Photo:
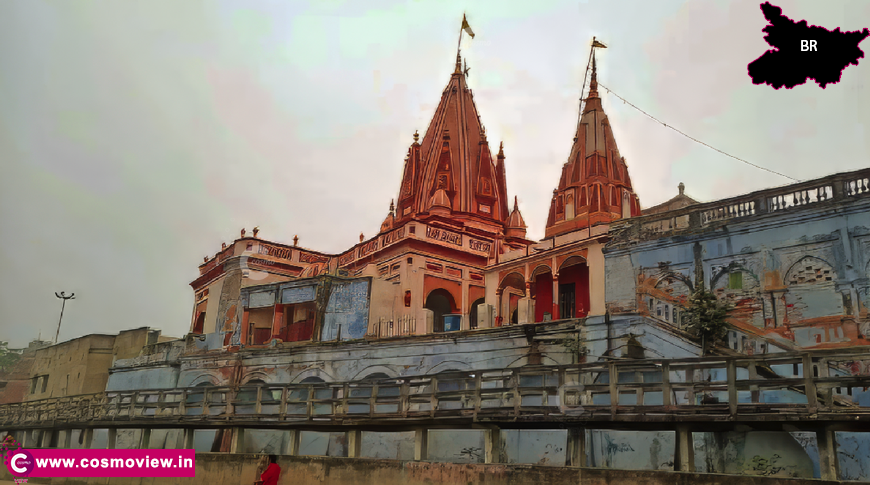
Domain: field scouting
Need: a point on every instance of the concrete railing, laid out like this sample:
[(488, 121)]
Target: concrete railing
[(699, 389), (814, 193)]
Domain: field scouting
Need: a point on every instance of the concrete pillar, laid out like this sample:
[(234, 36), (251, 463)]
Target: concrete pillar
[(146, 439), (829, 465), (88, 439), (684, 452), (46, 438), (421, 444), (293, 445), (238, 440), (465, 322), (64, 439), (354, 443), (556, 315), (576, 447), (188, 438), (595, 261), (245, 336), (732, 387), (492, 445)]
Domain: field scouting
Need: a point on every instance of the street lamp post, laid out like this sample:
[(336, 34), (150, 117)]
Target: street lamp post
[(63, 297)]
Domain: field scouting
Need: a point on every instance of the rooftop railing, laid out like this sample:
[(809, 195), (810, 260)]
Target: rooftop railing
[(700, 389), (813, 193)]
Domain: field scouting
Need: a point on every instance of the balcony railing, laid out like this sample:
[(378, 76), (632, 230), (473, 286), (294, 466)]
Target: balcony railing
[(813, 193), (701, 389)]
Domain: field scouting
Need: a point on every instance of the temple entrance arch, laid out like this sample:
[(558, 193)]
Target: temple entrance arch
[(573, 298), (440, 302)]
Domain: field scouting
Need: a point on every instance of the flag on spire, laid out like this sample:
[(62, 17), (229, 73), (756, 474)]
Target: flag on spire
[(595, 43), (466, 27)]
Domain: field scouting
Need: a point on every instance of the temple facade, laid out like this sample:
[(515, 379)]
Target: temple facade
[(451, 316)]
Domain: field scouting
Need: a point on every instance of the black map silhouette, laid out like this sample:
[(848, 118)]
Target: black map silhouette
[(787, 65)]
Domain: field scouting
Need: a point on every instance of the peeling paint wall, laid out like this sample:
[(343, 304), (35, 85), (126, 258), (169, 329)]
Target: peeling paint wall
[(800, 277), (853, 450), (630, 450), (456, 445), (760, 453)]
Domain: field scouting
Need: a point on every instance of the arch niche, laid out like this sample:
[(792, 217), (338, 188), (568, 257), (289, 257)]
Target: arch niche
[(472, 312), (510, 290), (441, 303), (573, 297)]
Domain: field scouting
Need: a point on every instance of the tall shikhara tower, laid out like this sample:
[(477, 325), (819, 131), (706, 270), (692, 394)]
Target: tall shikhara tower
[(452, 172), (595, 187)]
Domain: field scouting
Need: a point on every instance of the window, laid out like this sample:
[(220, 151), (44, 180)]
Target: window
[(735, 281), (44, 383)]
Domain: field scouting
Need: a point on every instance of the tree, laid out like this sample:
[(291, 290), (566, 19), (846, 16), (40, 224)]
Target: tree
[(8, 358), (706, 317)]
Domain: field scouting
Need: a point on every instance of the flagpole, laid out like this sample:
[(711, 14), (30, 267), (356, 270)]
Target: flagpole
[(459, 44), (583, 88)]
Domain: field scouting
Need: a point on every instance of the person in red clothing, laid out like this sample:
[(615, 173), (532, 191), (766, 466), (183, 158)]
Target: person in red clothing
[(273, 471)]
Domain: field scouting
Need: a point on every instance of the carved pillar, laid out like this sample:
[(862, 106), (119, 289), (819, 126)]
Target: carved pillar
[(556, 315)]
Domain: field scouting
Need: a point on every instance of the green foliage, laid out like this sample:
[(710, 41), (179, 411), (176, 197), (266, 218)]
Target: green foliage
[(7, 358), (706, 317)]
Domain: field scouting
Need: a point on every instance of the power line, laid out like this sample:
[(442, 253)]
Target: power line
[(695, 139)]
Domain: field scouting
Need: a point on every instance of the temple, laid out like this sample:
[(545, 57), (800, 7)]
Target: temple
[(452, 336)]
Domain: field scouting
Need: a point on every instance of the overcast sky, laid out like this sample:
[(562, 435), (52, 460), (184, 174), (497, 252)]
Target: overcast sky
[(136, 136)]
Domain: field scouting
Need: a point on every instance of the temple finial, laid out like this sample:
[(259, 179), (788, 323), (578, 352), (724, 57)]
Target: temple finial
[(516, 206), (467, 28), (392, 206), (416, 135), (501, 149)]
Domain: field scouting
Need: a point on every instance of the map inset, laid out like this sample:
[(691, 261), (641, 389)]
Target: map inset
[(800, 52)]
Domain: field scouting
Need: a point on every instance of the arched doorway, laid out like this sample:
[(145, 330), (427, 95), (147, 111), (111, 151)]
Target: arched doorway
[(542, 290), (573, 296), (472, 314), (441, 302)]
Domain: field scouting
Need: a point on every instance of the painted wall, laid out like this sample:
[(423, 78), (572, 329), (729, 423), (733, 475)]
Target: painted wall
[(795, 276)]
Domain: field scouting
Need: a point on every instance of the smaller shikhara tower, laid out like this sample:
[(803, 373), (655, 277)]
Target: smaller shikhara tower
[(595, 187)]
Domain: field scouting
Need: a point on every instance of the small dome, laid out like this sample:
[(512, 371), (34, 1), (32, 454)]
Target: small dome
[(440, 202), (516, 221)]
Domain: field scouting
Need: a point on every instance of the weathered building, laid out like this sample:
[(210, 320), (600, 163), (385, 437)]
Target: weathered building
[(81, 365), (15, 381)]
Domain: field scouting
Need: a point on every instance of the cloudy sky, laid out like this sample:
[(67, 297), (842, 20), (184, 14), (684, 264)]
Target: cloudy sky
[(135, 136)]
